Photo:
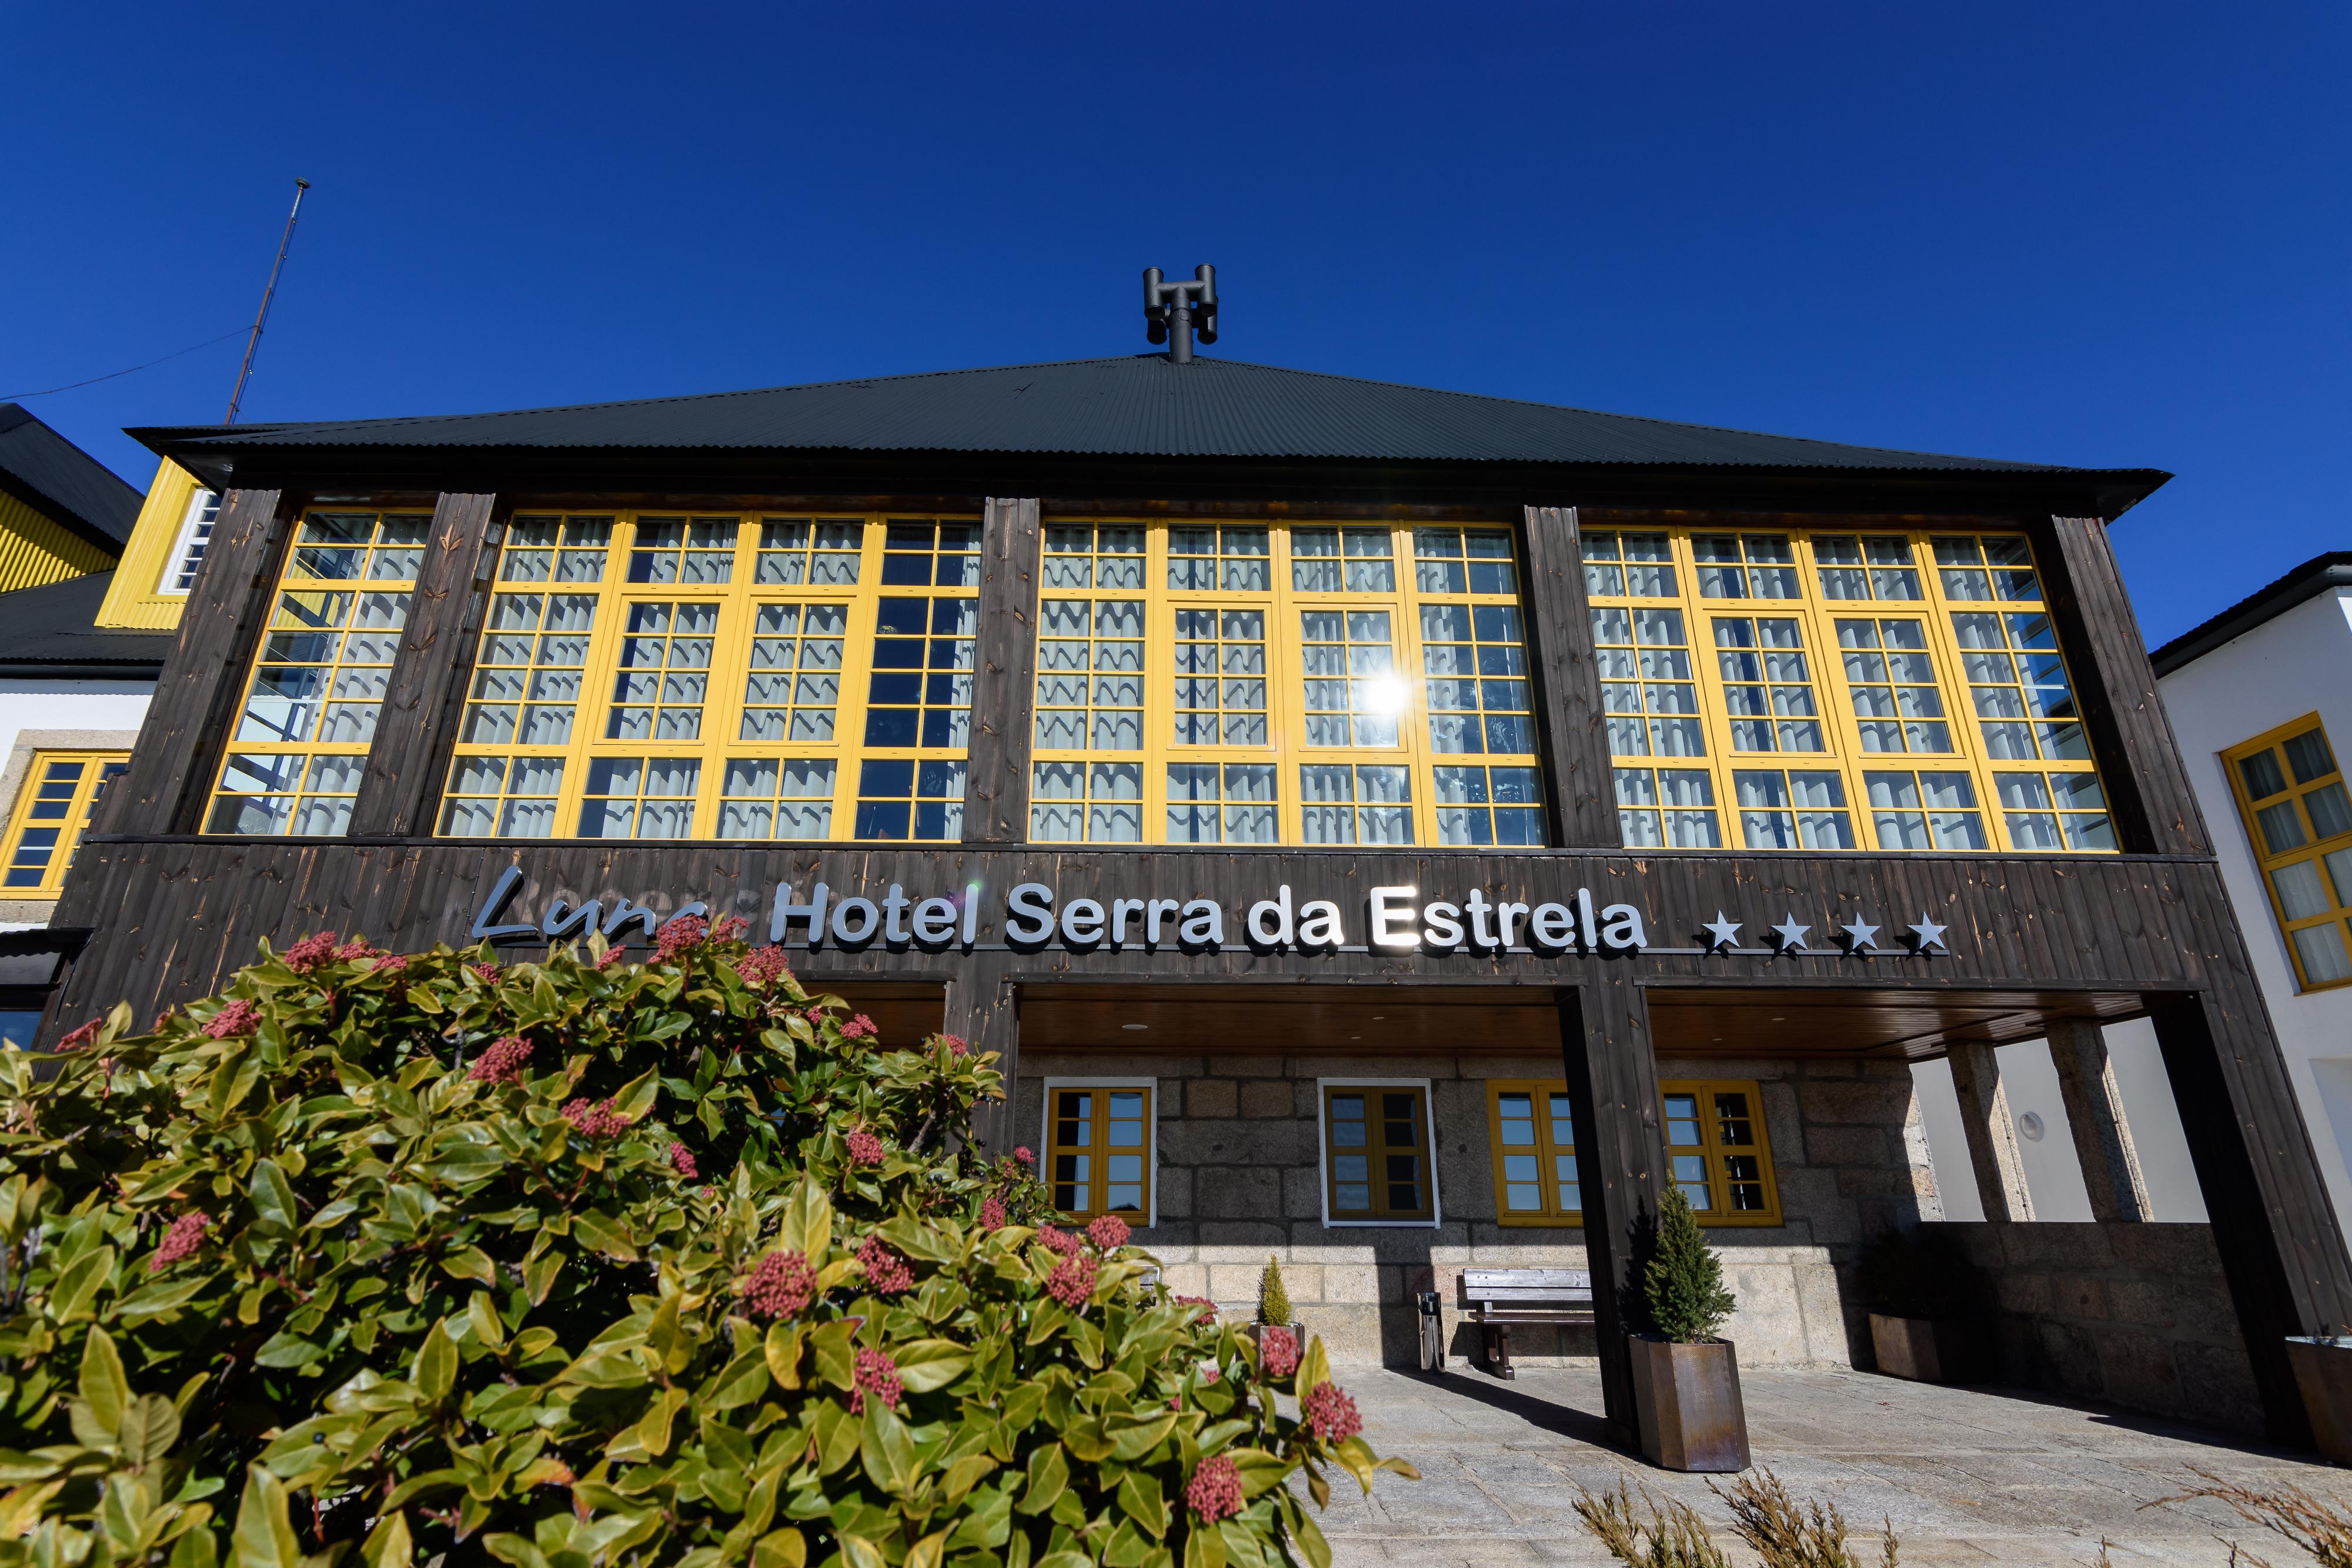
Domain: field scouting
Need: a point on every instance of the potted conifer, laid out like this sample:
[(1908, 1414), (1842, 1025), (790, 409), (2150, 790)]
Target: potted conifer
[(1685, 1378), (1922, 1294), (1274, 1309)]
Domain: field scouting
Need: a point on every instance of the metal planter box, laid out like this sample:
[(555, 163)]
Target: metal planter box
[(1687, 1398)]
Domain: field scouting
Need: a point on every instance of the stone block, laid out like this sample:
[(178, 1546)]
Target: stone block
[(1878, 1100), (1769, 1325), (1830, 1067), (1240, 1240), (2142, 1303), (2180, 1250), (1252, 1066), (1247, 1192), (2063, 1245), (2079, 1296), (1236, 1281), (1302, 1193), (1302, 1281), (1185, 1278), (1266, 1098), (2069, 1357), (1885, 1181), (1351, 1335), (1172, 1189), (2201, 1309), (1828, 1316), (2138, 1371), (1211, 1099), (1846, 1145), (1344, 1282), (2217, 1384), (2028, 1294)]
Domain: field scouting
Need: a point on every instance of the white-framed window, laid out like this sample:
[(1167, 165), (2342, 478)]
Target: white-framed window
[(188, 549), (1377, 1157), (1101, 1144)]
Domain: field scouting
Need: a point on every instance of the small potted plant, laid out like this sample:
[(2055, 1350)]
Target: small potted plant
[(1922, 1294), (1274, 1305), (1686, 1377)]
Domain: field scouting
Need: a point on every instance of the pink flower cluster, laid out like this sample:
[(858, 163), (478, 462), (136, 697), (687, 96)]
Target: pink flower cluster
[(957, 1045), (859, 1026), (763, 966), (884, 1270), (991, 1213), (1072, 1282), (1215, 1492), (397, 963), (873, 1372), (681, 1160), (488, 971), (1277, 1351), (730, 928), (312, 951), (1108, 1232), (613, 956), (682, 934), (865, 1148), (239, 1018), (780, 1287), (80, 1037), (358, 947), (1331, 1414), (502, 1063), (1024, 1156), (183, 1240), (1208, 1308), (595, 1119), (1057, 1240)]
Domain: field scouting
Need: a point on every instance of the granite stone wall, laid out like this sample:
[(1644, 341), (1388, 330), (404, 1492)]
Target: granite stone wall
[(2135, 1315), (1239, 1180)]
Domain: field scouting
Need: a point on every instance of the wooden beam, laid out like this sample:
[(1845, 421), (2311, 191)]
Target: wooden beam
[(1612, 1094), (2094, 1112), (1567, 683), (2148, 795), (401, 785), (195, 707), (1992, 1133), (981, 1007), (1004, 676)]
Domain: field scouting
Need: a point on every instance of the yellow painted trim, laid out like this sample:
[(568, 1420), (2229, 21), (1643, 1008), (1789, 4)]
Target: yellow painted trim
[(1098, 1149), (2312, 849), (1546, 1149), (77, 795), (36, 551), (1376, 1150), (134, 600), (1712, 1146)]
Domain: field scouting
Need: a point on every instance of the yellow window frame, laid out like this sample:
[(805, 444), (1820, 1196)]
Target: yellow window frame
[(1086, 1147), (1431, 775), (1713, 1148), (2316, 874), (58, 797), (1544, 1146), (719, 741), (2019, 806), (1342, 1144)]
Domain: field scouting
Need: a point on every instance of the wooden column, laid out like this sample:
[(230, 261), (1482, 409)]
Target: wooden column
[(402, 783), (2147, 790), (1620, 1161), (1004, 677), (980, 1007), (1568, 684), (2095, 1111), (194, 708), (2272, 1221), (1992, 1133)]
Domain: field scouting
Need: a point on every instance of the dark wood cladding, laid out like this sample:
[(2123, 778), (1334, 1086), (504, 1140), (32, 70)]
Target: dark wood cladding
[(1003, 682), (1611, 1074), (2148, 793), (195, 707), (1575, 723), (401, 783)]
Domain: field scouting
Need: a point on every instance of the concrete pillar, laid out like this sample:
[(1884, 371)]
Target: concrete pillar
[(1991, 1134), (2095, 1110)]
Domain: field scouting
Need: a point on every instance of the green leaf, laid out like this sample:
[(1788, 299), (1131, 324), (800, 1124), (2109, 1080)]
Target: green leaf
[(436, 1370), (388, 1544), (653, 1429), (784, 1548), (105, 1391), (1088, 1440), (539, 1274), (888, 1450), (744, 1379), (606, 1234), (637, 1095), (273, 1199), (808, 1223), (264, 1536), (1310, 1536), (151, 1425), (484, 1317), (857, 1551), (783, 1352), (1049, 1476), (928, 1363), (70, 1297), (1141, 1499), (830, 1348)]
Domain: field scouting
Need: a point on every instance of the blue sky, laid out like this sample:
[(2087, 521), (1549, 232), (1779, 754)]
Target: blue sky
[(2079, 234)]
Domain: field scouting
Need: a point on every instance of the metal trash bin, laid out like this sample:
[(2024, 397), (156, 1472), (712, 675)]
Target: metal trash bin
[(1433, 1333)]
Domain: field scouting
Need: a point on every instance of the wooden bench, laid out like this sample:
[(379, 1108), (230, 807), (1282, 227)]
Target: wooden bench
[(1499, 1299)]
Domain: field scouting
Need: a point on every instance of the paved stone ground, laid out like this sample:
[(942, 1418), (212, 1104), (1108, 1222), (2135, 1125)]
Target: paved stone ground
[(1967, 1474)]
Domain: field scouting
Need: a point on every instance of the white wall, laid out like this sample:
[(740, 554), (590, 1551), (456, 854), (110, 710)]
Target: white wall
[(2295, 663), (2054, 1175), (70, 705)]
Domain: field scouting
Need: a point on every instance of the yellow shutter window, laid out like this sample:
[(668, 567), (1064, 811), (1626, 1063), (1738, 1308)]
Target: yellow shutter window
[(54, 806), (1376, 1152), (2290, 791), (1098, 1150)]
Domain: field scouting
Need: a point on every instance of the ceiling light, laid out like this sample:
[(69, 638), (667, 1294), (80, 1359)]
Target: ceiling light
[(1135, 1026)]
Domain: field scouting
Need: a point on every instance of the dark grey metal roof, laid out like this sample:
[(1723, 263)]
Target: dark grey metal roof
[(2309, 581), (1131, 406), (62, 482), (48, 632)]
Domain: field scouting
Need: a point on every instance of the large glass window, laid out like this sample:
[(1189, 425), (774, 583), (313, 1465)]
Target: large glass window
[(1909, 705), (668, 676), (2291, 791), (319, 678)]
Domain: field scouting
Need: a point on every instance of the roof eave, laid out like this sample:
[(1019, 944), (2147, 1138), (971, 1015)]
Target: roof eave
[(2304, 583)]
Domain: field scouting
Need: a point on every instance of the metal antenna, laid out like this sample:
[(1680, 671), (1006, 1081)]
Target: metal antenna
[(262, 316), (1168, 310)]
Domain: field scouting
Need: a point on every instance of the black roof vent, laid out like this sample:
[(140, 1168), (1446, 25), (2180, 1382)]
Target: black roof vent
[(1168, 310)]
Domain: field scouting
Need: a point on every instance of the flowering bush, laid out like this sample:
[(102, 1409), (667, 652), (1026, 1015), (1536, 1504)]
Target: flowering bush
[(334, 1267)]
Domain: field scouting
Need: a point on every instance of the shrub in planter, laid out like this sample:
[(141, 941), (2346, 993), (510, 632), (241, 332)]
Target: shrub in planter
[(1686, 1379), (386, 1258)]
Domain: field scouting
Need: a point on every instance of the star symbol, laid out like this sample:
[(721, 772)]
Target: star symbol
[(1862, 936), (1926, 933), (1792, 935), (1724, 929)]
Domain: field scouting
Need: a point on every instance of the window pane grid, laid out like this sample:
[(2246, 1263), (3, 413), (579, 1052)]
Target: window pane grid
[(54, 806), (1376, 1152), (1100, 1151), (1717, 1152), (2291, 793), (319, 675), (1913, 676)]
